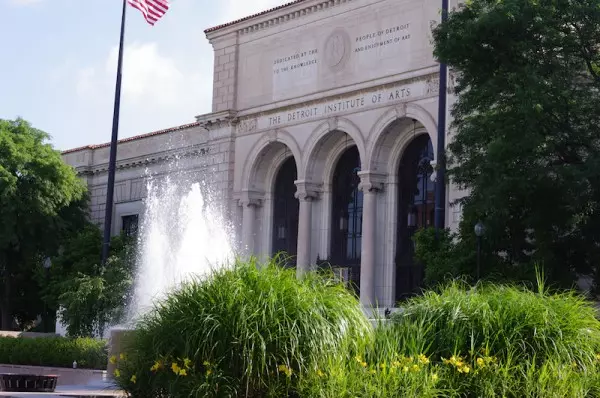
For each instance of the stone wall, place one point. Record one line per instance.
(202, 155)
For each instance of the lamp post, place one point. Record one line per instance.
(47, 264)
(479, 232)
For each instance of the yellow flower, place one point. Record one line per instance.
(133, 379)
(187, 363)
(464, 369)
(182, 372)
(382, 365)
(480, 362)
(117, 373)
(286, 370)
(358, 359)
(319, 373)
(206, 363)
(405, 369)
(175, 368)
(113, 360)
(598, 357)
(434, 377)
(122, 356)
(395, 364)
(372, 371)
(363, 364)
(423, 359)
(415, 368)
(208, 372)
(157, 365)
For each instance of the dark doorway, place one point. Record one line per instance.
(286, 211)
(416, 193)
(347, 209)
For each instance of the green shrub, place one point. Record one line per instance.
(252, 330)
(506, 340)
(54, 351)
(442, 257)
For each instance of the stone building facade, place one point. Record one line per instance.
(321, 139)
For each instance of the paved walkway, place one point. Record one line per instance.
(87, 391)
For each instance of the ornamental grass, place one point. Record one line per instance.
(256, 331)
(252, 330)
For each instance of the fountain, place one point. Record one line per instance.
(183, 235)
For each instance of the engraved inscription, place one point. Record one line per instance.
(299, 60)
(382, 38)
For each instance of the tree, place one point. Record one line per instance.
(90, 296)
(41, 200)
(527, 130)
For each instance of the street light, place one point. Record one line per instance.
(479, 232)
(47, 264)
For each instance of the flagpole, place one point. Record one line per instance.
(440, 182)
(113, 146)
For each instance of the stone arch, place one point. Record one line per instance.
(326, 144)
(393, 131)
(265, 159)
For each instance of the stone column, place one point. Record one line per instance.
(370, 184)
(305, 193)
(249, 206)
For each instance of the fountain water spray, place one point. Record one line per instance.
(183, 235)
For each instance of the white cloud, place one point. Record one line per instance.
(162, 86)
(147, 75)
(24, 2)
(158, 91)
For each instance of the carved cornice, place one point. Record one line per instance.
(307, 190)
(283, 17)
(142, 161)
(217, 120)
(371, 182)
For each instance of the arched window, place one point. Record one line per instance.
(346, 228)
(286, 211)
(416, 193)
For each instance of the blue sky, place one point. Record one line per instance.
(60, 57)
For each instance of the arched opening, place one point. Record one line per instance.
(416, 195)
(286, 211)
(347, 207)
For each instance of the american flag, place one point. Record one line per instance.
(152, 10)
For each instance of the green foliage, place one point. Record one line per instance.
(41, 200)
(258, 332)
(442, 256)
(525, 338)
(91, 296)
(248, 331)
(54, 351)
(527, 121)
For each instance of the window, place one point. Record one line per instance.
(416, 208)
(286, 209)
(346, 233)
(130, 225)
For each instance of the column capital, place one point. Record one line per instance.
(250, 198)
(371, 181)
(306, 190)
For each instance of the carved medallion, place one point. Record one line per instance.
(246, 125)
(337, 49)
(432, 25)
